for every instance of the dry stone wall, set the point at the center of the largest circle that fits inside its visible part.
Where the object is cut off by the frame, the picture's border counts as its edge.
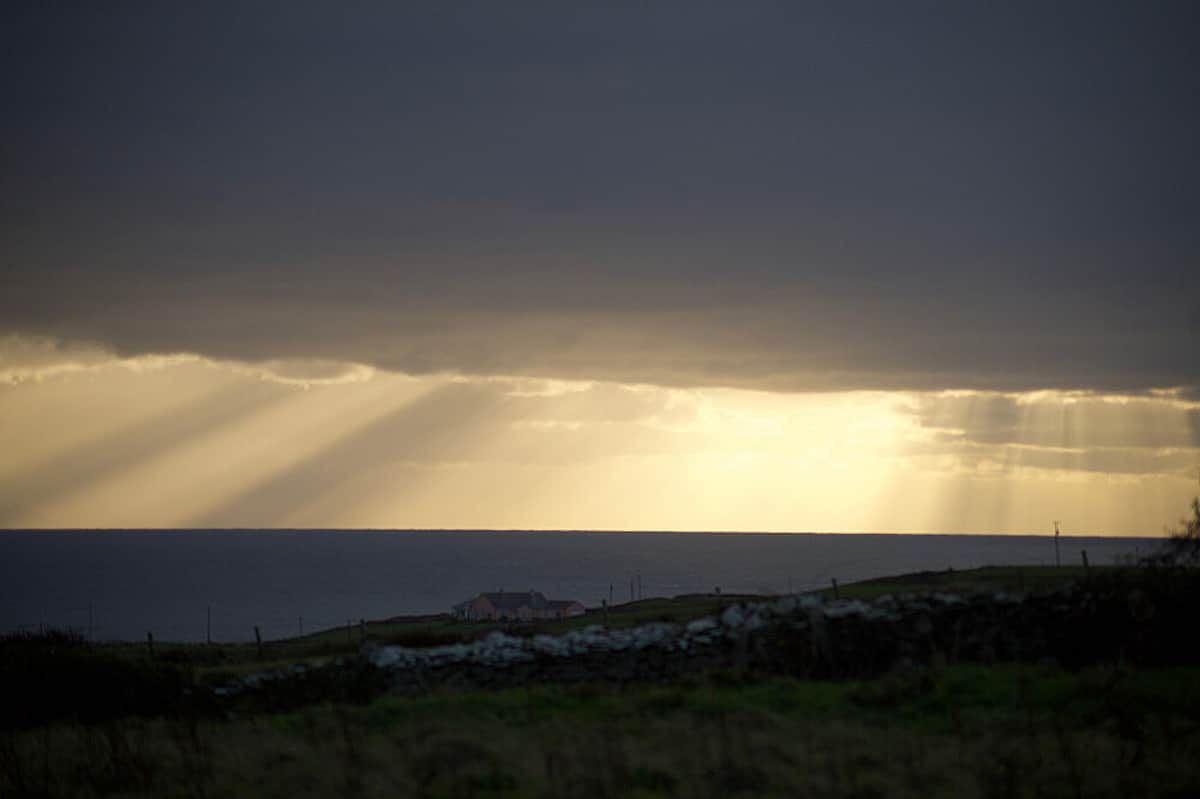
(806, 636)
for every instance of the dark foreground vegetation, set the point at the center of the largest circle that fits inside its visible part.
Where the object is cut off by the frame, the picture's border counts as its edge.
(1115, 712)
(1000, 731)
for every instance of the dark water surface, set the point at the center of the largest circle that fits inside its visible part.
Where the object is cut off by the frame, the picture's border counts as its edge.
(125, 583)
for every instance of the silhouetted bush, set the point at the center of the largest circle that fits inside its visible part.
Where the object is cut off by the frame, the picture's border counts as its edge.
(1184, 544)
(56, 675)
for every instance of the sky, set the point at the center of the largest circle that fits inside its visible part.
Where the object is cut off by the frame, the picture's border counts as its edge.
(861, 266)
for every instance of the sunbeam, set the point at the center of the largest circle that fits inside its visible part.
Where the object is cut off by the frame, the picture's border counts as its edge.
(189, 441)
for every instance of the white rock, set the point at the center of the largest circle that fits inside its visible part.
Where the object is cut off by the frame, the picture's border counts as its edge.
(733, 617)
(552, 645)
(785, 605)
(809, 601)
(702, 625)
(652, 634)
(840, 608)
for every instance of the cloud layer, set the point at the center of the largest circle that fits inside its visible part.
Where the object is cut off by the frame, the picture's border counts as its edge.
(784, 197)
(189, 441)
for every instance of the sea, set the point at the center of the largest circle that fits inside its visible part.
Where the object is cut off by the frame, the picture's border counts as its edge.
(187, 585)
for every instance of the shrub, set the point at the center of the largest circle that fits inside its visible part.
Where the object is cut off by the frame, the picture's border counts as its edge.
(1183, 547)
(56, 675)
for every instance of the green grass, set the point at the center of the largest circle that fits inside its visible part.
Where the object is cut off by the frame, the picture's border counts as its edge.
(924, 699)
(210, 663)
(217, 662)
(1000, 731)
(963, 730)
(1018, 579)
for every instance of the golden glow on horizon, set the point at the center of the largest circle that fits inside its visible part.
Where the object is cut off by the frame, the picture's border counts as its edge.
(186, 441)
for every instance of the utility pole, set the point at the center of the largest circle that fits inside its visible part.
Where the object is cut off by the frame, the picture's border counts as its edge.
(1057, 557)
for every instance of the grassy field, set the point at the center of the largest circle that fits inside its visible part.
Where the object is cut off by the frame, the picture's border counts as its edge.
(960, 730)
(213, 662)
(217, 662)
(1015, 579)
(1001, 731)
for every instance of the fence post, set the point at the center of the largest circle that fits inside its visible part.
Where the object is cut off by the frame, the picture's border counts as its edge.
(1087, 569)
(150, 643)
(208, 626)
(836, 593)
(258, 641)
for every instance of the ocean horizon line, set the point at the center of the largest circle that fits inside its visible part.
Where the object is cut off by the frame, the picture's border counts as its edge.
(565, 530)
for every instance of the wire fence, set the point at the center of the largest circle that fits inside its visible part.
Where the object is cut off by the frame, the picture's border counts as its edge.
(169, 619)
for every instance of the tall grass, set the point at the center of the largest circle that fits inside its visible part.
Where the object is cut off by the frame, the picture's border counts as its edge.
(971, 732)
(56, 675)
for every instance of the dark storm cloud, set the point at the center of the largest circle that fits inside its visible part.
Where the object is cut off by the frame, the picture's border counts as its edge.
(915, 195)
